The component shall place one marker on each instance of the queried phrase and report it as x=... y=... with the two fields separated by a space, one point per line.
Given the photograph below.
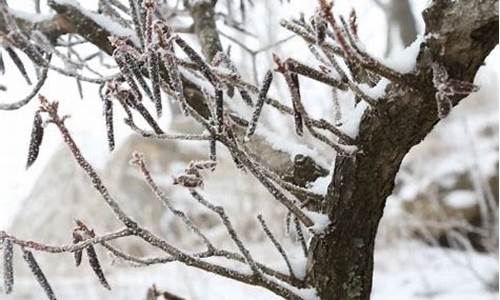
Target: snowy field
x=407 y=271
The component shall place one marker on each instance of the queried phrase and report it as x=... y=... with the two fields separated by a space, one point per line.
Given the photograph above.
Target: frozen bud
x=137 y=159
x=149 y=4
x=117 y=41
x=189 y=181
x=208 y=165
x=162 y=28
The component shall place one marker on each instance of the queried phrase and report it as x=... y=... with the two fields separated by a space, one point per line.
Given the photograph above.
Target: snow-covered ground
x=408 y=271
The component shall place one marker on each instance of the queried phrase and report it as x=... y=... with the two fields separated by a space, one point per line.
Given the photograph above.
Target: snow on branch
x=144 y=46
x=84 y=238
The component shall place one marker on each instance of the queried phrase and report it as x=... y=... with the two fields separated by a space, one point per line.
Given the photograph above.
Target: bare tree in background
x=342 y=224
x=399 y=18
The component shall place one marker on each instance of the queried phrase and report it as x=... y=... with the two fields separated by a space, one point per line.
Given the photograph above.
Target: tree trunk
x=340 y=262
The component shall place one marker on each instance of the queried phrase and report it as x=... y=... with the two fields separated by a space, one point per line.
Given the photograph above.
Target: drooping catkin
x=19 y=63
x=141 y=109
x=197 y=59
x=266 y=84
x=219 y=108
x=35 y=140
x=133 y=65
x=136 y=19
x=300 y=235
x=107 y=108
x=245 y=96
x=353 y=23
x=79 y=87
x=213 y=146
x=2 y=64
x=320 y=27
x=292 y=81
x=222 y=58
x=8 y=269
x=96 y=266
x=288 y=223
x=154 y=75
x=32 y=51
x=175 y=80
x=77 y=255
x=127 y=74
x=38 y=273
x=149 y=7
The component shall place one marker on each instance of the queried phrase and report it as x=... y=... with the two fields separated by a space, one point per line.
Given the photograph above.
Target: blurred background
x=439 y=235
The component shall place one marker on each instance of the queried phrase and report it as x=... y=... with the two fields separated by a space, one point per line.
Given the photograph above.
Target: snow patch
x=200 y=83
x=351 y=120
x=298 y=263
x=106 y=22
x=285 y=144
x=321 y=221
x=378 y=91
x=320 y=185
x=404 y=61
x=32 y=17
x=461 y=199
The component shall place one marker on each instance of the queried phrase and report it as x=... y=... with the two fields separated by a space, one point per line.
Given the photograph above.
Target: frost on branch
x=192 y=176
x=446 y=88
x=167 y=56
x=292 y=81
x=198 y=60
x=152 y=57
x=342 y=64
x=128 y=59
x=223 y=59
x=82 y=233
x=276 y=244
x=128 y=101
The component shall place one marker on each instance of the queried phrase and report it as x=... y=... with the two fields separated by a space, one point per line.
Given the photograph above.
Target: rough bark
x=203 y=15
x=340 y=263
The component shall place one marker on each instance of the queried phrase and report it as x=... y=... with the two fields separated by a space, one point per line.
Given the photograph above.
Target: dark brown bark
x=203 y=15
x=340 y=263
